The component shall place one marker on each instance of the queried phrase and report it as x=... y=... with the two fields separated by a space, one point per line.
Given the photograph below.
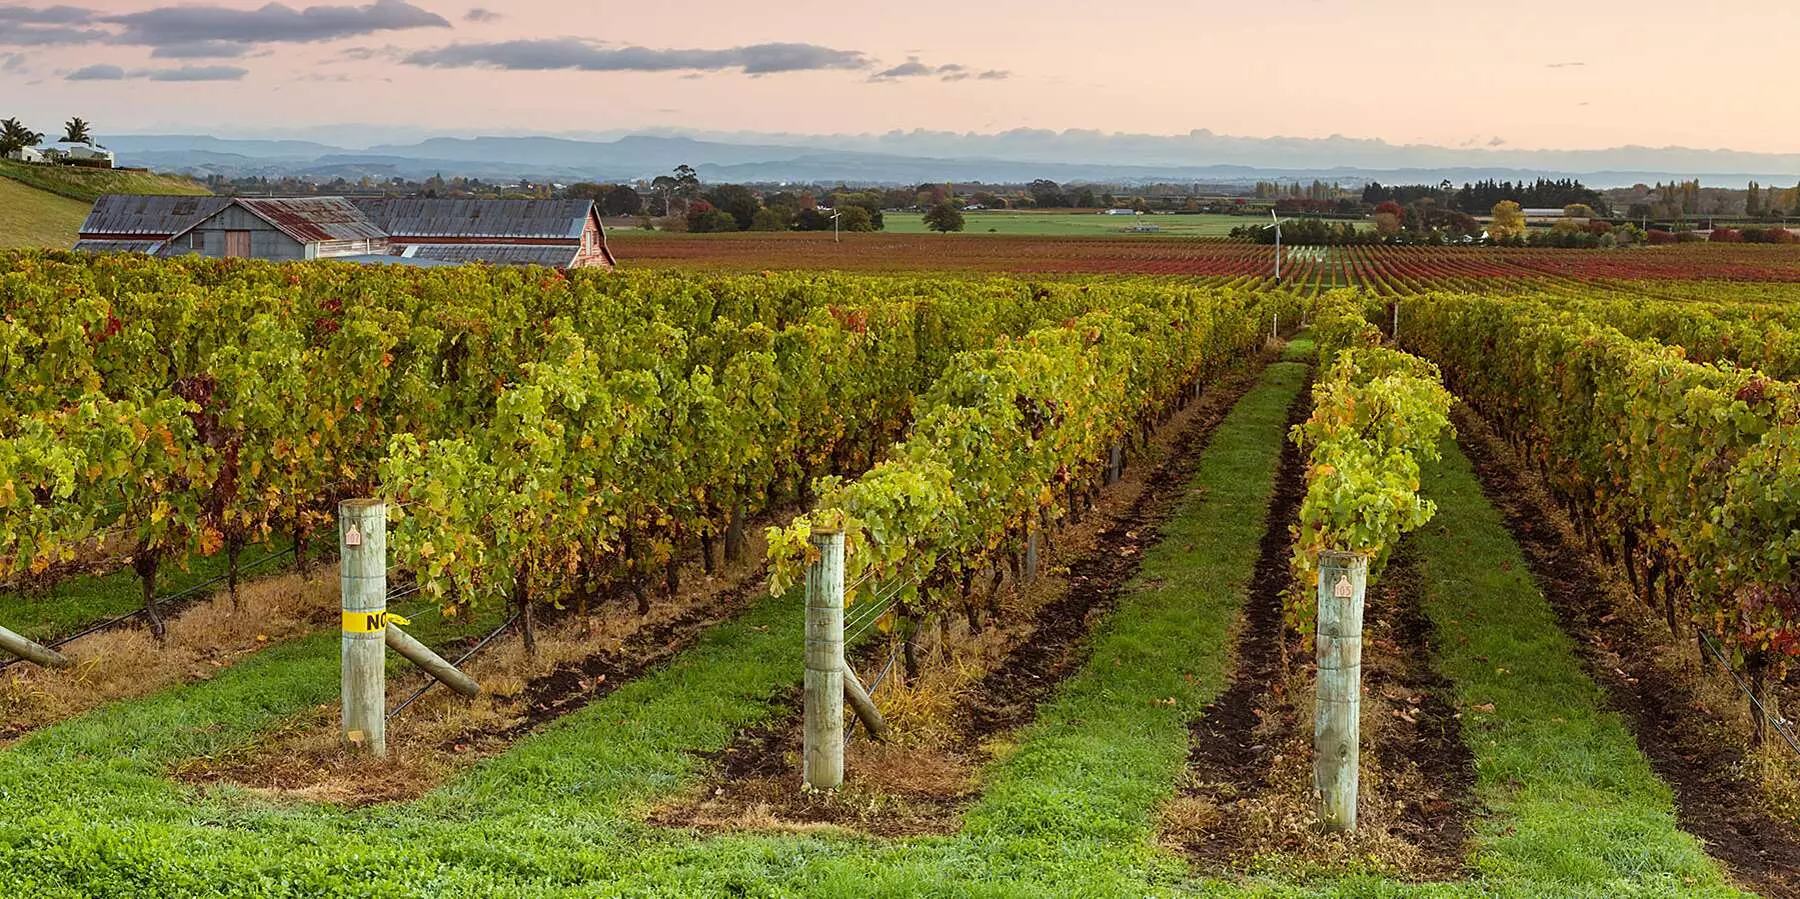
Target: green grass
x=1575 y=807
x=33 y=218
x=77 y=601
x=86 y=184
x=44 y=205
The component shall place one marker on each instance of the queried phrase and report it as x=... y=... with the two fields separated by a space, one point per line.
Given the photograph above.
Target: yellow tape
x=371 y=621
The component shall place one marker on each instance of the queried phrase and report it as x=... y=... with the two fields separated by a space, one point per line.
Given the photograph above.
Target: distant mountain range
x=920 y=157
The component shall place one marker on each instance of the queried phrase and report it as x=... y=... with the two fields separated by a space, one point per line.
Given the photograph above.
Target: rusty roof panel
x=122 y=215
x=487 y=219
x=313 y=219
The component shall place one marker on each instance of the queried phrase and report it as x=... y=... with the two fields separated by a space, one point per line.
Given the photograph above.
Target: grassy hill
x=33 y=218
x=44 y=206
x=86 y=184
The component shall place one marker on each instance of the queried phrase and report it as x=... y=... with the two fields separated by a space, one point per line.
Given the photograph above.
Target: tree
x=704 y=218
x=683 y=185
x=855 y=218
x=773 y=218
x=1509 y=221
x=622 y=200
x=944 y=218
x=77 y=131
x=1387 y=218
x=14 y=135
x=736 y=200
x=1048 y=194
x=1578 y=211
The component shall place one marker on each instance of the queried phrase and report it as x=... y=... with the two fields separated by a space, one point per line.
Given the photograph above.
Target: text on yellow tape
x=370 y=621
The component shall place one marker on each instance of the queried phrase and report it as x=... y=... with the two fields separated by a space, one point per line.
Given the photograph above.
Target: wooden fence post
x=1031 y=554
x=823 y=765
x=1336 y=722
x=435 y=665
x=362 y=578
x=32 y=652
x=1115 y=463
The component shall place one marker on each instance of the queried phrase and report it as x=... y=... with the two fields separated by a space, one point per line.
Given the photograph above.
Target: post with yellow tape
x=362 y=577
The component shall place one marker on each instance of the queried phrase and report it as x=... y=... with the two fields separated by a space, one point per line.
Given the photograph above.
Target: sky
x=1522 y=75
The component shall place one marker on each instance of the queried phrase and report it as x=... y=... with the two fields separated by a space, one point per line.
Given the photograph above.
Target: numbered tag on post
x=1343 y=590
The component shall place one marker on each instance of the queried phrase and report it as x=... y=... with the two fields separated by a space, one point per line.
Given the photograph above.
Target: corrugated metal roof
x=421 y=218
x=125 y=214
x=312 y=219
x=119 y=246
x=391 y=260
x=494 y=254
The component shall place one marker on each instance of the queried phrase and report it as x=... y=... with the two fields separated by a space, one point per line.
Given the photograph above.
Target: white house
x=81 y=153
x=26 y=154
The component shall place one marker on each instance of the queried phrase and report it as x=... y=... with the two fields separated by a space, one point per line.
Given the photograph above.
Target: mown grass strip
x=1575 y=807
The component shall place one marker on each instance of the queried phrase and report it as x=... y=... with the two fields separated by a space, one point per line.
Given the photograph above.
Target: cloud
x=202 y=50
x=98 y=73
x=554 y=54
x=1497 y=142
x=913 y=68
x=1565 y=65
x=197 y=73
x=482 y=16
x=16 y=33
x=194 y=32
x=48 y=15
x=103 y=72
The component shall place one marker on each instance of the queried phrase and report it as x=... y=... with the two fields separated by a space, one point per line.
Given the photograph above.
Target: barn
x=282 y=230
x=122 y=223
x=561 y=234
x=554 y=233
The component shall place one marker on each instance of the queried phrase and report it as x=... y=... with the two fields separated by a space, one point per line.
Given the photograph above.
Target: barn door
x=237 y=245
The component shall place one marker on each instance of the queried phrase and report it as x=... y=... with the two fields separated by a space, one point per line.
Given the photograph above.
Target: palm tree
x=76 y=131
x=14 y=135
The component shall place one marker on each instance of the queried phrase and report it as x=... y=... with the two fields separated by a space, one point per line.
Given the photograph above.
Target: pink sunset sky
x=1529 y=74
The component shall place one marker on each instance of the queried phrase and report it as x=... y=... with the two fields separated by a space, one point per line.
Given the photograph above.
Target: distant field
x=1077 y=224
x=87 y=184
x=33 y=218
x=1385 y=268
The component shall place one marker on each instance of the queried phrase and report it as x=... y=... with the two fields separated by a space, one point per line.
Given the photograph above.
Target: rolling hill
x=44 y=206
x=34 y=218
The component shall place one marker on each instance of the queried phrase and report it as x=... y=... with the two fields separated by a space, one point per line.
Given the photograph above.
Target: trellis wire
x=1774 y=721
x=876 y=685
x=111 y=623
x=432 y=682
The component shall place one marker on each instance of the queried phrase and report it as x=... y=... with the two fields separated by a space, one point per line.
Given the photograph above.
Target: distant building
x=26 y=154
x=562 y=234
x=554 y=233
x=85 y=153
x=281 y=230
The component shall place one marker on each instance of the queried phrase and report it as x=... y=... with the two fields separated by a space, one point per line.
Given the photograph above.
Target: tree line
x=1480 y=196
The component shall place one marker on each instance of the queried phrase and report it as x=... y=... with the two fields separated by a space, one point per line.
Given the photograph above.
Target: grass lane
x=1575 y=807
